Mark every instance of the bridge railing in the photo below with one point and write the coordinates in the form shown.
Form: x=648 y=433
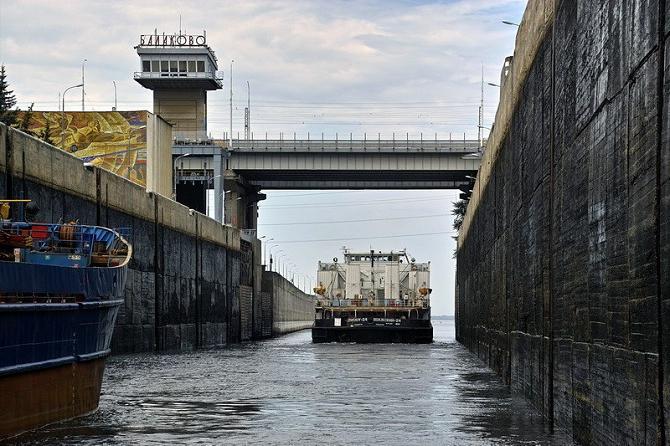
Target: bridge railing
x=356 y=145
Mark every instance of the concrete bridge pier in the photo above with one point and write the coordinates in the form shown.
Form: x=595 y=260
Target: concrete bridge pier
x=240 y=201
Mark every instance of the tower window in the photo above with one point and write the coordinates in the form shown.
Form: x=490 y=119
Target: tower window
x=191 y=66
x=146 y=65
x=201 y=66
x=155 y=66
x=164 y=66
x=173 y=66
x=182 y=66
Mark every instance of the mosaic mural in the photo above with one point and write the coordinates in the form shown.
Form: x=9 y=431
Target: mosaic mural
x=113 y=140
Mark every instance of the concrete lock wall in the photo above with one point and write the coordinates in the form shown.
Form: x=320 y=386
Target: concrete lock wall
x=563 y=273
x=183 y=283
x=292 y=310
x=191 y=283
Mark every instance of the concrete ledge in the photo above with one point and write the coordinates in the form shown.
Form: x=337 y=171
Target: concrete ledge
x=280 y=328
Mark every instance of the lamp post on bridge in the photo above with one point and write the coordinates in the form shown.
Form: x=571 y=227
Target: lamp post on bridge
x=265 y=248
x=277 y=258
x=62 y=138
x=293 y=265
x=271 y=248
x=282 y=262
x=83 y=63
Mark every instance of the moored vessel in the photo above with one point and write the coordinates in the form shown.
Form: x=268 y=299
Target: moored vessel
x=373 y=297
x=61 y=286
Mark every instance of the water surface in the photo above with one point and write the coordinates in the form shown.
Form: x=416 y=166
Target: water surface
x=290 y=391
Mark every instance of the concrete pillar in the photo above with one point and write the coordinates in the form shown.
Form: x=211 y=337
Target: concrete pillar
x=217 y=165
x=185 y=109
x=240 y=202
x=231 y=199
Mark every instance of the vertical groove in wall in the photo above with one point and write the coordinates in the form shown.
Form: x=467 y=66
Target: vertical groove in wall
x=157 y=276
x=227 y=298
x=98 y=197
x=9 y=148
x=660 y=81
x=107 y=205
x=22 y=209
x=197 y=283
x=550 y=275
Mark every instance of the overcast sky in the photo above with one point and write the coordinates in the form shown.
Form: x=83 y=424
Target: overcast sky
x=313 y=66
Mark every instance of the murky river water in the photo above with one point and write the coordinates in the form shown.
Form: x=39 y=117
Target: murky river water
x=290 y=391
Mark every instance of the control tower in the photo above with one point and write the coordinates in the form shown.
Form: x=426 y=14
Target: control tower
x=180 y=69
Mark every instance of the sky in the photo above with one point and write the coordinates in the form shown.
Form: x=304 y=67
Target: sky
x=374 y=67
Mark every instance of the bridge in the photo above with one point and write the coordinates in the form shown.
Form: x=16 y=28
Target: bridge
x=240 y=173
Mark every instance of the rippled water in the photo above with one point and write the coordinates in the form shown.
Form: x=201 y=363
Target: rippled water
x=290 y=391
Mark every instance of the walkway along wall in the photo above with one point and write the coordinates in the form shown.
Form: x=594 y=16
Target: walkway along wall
x=563 y=272
x=292 y=310
x=183 y=285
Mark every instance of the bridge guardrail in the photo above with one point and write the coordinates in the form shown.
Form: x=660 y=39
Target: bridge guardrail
x=348 y=145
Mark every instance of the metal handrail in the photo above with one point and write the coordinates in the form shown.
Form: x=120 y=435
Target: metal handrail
x=80 y=243
x=170 y=74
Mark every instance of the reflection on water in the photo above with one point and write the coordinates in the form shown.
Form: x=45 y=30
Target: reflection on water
x=290 y=391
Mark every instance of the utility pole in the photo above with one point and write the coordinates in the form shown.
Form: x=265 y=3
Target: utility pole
x=82 y=84
x=230 y=137
x=62 y=111
x=247 y=114
x=115 y=105
x=481 y=114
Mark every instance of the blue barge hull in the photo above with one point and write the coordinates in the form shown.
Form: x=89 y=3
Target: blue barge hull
x=59 y=299
x=52 y=361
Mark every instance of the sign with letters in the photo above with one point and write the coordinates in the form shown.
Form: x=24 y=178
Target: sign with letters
x=164 y=40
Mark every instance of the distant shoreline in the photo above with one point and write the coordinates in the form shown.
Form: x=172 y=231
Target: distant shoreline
x=442 y=318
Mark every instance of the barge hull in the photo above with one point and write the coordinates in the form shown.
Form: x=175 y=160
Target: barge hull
x=39 y=397
x=406 y=335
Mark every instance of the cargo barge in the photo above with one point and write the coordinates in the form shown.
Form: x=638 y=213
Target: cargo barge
x=373 y=297
x=61 y=286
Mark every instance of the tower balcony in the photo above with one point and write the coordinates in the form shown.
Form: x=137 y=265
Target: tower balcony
x=179 y=80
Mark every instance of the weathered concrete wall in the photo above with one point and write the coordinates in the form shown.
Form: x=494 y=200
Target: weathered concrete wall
x=563 y=279
x=292 y=310
x=184 y=279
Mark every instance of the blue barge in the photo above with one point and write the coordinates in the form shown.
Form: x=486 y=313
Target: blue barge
x=61 y=286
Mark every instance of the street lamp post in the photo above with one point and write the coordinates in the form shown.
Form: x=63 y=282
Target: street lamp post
x=83 y=62
x=115 y=105
x=265 y=250
x=506 y=22
x=271 y=248
x=230 y=137
x=174 y=175
x=294 y=273
x=248 y=129
x=62 y=138
x=281 y=266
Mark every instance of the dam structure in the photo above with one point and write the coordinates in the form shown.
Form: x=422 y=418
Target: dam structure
x=563 y=260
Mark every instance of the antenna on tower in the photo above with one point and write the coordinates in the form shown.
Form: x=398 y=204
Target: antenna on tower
x=180 y=24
